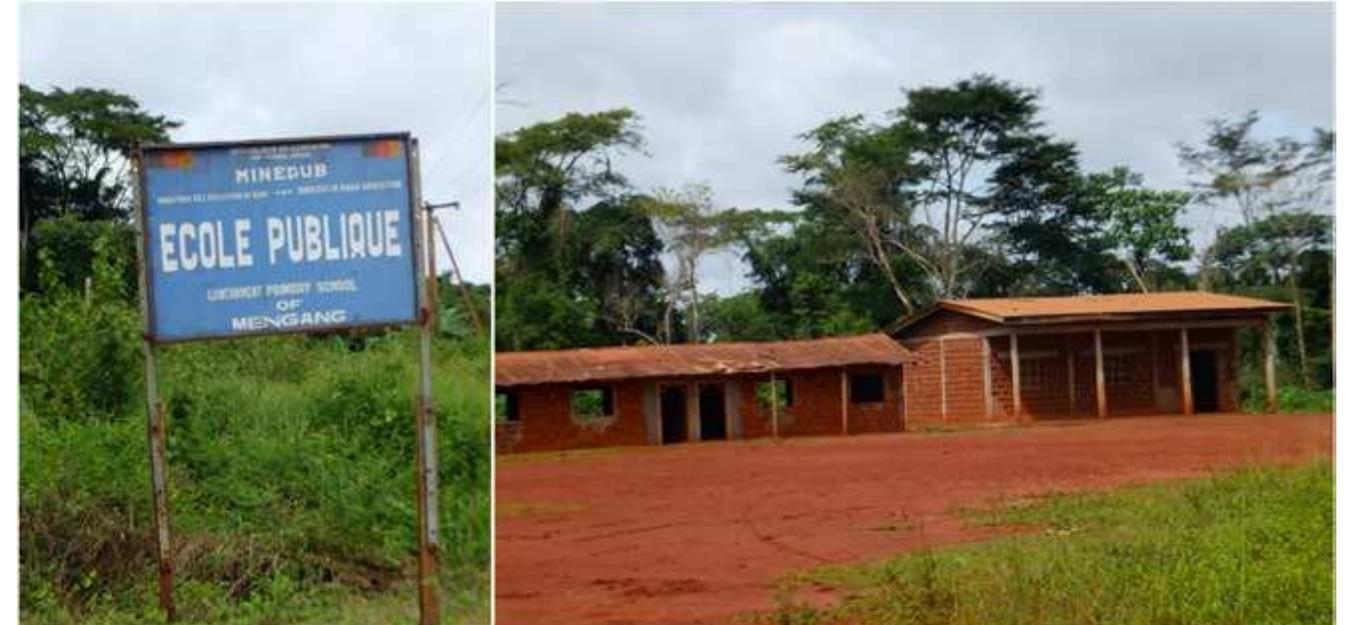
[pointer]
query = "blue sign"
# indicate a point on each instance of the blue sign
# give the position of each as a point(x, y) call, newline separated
point(292, 236)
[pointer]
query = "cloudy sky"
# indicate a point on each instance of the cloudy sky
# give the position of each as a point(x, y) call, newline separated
point(256, 71)
point(723, 90)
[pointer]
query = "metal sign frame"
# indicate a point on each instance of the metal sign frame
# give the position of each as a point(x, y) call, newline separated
point(422, 264)
point(147, 285)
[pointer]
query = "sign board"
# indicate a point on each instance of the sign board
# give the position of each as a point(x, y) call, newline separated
point(263, 237)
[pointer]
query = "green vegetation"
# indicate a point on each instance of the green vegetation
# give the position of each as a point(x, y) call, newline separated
point(1251, 547)
point(1295, 399)
point(290, 458)
point(958, 190)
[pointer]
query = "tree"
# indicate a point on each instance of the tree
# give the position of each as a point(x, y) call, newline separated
point(961, 132)
point(1046, 223)
point(547, 168)
point(957, 169)
point(617, 258)
point(858, 171)
point(692, 226)
point(74, 149)
point(1275, 246)
point(577, 261)
point(1254, 177)
point(1142, 225)
point(1279, 187)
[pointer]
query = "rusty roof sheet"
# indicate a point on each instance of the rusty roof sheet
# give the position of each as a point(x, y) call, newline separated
point(1020, 308)
point(651, 361)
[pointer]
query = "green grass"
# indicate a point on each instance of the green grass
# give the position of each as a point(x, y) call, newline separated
point(1253, 547)
point(290, 467)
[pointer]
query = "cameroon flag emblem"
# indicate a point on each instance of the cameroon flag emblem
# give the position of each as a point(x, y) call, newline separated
point(383, 148)
point(172, 159)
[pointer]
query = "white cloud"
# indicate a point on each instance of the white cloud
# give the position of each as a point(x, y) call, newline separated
point(258, 70)
point(723, 89)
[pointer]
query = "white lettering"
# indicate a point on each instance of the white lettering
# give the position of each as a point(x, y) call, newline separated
point(187, 231)
point(166, 259)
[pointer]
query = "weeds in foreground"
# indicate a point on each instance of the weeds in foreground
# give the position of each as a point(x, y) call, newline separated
point(1254, 546)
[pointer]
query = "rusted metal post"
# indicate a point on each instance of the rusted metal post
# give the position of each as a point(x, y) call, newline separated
point(1101, 374)
point(1272, 397)
point(1016, 375)
point(773, 387)
point(1184, 361)
point(159, 474)
point(428, 509)
point(159, 484)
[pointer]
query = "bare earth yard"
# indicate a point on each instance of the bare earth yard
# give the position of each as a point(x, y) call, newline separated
point(699, 533)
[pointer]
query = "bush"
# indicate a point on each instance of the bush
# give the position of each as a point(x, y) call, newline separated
point(290, 467)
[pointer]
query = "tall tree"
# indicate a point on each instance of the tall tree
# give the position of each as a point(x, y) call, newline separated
point(962, 132)
point(857, 172)
point(1234, 169)
point(547, 168)
point(74, 149)
point(1275, 246)
point(957, 169)
point(691, 227)
point(616, 256)
point(1280, 187)
point(1142, 225)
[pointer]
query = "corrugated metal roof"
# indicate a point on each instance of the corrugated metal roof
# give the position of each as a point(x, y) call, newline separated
point(651, 361)
point(1013, 308)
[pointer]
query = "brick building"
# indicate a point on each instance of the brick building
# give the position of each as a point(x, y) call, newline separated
point(961, 361)
point(657, 395)
point(1074, 357)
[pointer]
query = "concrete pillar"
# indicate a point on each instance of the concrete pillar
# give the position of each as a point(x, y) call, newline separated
point(843, 399)
point(1187, 396)
point(1073, 393)
point(988, 381)
point(1272, 397)
point(1016, 376)
point(694, 425)
point(1235, 371)
point(1153, 357)
point(942, 373)
point(773, 394)
point(1101, 374)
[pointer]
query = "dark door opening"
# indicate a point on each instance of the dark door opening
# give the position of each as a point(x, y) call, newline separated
point(1205, 380)
point(674, 422)
point(712, 412)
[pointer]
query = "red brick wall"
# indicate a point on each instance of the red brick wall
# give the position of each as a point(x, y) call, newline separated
point(959, 362)
point(1128, 357)
point(817, 406)
point(546, 423)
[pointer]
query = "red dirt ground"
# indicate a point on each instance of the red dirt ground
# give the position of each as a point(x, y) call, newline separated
point(700, 533)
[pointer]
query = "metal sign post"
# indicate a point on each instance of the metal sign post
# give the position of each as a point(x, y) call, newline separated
point(428, 535)
point(159, 474)
point(294, 236)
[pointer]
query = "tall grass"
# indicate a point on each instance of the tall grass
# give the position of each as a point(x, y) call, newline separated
point(1247, 548)
point(290, 462)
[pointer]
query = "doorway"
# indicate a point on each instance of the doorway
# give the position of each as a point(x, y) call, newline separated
point(1205, 380)
point(674, 424)
point(712, 412)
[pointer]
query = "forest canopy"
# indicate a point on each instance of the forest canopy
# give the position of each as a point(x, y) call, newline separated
point(960, 190)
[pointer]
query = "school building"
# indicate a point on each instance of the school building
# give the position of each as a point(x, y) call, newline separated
point(960, 362)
